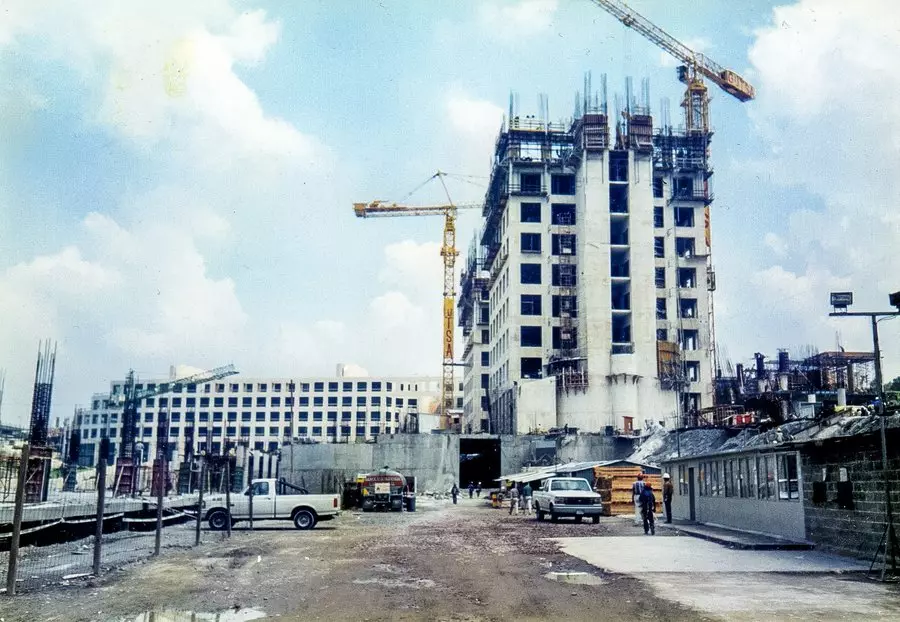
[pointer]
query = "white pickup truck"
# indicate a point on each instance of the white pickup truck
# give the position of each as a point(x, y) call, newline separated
point(272, 500)
point(567, 496)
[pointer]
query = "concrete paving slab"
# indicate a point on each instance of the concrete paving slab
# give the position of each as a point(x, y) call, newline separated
point(735, 538)
point(640, 554)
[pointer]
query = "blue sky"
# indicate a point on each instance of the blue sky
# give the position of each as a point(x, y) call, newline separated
point(176, 178)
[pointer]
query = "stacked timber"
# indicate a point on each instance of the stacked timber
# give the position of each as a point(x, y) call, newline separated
point(620, 480)
point(604, 489)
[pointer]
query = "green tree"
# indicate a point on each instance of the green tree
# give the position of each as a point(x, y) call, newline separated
point(893, 385)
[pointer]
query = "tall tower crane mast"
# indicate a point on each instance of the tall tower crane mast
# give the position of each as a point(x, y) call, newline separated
point(449, 253)
point(696, 66)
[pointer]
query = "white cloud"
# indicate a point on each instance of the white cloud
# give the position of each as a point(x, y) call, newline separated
point(776, 244)
point(826, 105)
point(473, 128)
point(516, 21)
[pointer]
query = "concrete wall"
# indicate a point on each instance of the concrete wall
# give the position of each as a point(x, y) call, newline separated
point(856, 532)
point(434, 458)
point(536, 401)
point(784, 518)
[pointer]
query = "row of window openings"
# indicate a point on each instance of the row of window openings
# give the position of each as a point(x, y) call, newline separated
point(245, 431)
point(688, 339)
point(684, 247)
point(684, 217)
point(533, 183)
point(561, 244)
point(346, 400)
point(772, 478)
point(687, 278)
point(562, 275)
point(562, 306)
point(317, 387)
point(560, 213)
point(687, 308)
point(175, 417)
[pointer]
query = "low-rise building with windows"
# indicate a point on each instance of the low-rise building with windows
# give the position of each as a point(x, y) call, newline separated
point(261, 413)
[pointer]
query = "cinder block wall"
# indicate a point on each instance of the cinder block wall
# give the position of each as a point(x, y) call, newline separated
point(855, 532)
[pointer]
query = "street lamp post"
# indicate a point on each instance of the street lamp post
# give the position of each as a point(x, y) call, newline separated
point(840, 301)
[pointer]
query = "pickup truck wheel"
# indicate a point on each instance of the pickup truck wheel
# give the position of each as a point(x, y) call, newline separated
point(553, 517)
point(540, 513)
point(218, 520)
point(595, 519)
point(304, 519)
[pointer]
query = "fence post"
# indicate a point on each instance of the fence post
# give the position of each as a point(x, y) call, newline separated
point(101, 503)
point(160, 488)
point(200, 500)
point(228, 491)
point(17, 522)
point(250, 502)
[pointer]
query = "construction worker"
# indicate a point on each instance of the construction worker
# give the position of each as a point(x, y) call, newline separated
point(454, 492)
point(648, 509)
point(471, 489)
point(526, 495)
point(636, 489)
point(513, 500)
point(478, 490)
point(667, 492)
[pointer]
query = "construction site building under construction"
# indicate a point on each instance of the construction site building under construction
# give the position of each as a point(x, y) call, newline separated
point(586, 299)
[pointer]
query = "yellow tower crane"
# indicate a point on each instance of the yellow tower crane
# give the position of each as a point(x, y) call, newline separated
point(696, 66)
point(449, 253)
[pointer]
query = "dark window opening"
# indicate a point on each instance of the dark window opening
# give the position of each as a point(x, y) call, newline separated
point(618, 166)
point(530, 273)
point(618, 232)
point(657, 187)
point(660, 278)
point(530, 212)
point(563, 244)
point(684, 247)
point(562, 214)
point(564, 338)
point(531, 304)
point(531, 242)
point(658, 220)
point(687, 277)
point(530, 183)
point(563, 275)
point(618, 199)
point(532, 367)
point(562, 184)
point(688, 307)
point(661, 313)
point(684, 216)
point(530, 336)
point(565, 306)
point(620, 296)
point(619, 264)
point(659, 247)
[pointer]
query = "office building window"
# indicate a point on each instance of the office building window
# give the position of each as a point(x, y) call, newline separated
point(658, 220)
point(660, 278)
point(530, 212)
point(530, 274)
point(530, 336)
point(659, 246)
point(562, 214)
point(684, 247)
point(531, 367)
point(562, 184)
point(530, 304)
point(531, 243)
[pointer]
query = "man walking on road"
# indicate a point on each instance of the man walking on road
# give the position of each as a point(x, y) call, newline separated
point(636, 489)
point(471, 489)
point(454, 492)
point(527, 494)
point(513, 500)
point(668, 491)
point(648, 509)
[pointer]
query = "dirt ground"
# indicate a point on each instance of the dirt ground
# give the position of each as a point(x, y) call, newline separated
point(444, 562)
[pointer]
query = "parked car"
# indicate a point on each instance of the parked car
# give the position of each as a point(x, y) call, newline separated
point(567, 496)
point(272, 500)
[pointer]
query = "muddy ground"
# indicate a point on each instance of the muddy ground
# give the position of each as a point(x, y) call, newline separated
point(466, 563)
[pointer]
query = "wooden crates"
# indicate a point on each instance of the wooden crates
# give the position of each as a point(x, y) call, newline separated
point(614, 486)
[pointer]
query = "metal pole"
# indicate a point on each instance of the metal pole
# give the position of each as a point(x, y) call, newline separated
point(200, 501)
point(250, 500)
point(101, 502)
point(160, 488)
point(228, 492)
point(17, 522)
point(891, 540)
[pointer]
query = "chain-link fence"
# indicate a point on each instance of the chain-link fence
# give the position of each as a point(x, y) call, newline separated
point(55, 528)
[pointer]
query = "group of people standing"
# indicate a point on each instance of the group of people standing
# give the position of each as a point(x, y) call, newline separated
point(473, 490)
point(645, 502)
point(520, 498)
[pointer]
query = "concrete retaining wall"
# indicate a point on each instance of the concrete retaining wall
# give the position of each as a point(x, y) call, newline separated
point(433, 458)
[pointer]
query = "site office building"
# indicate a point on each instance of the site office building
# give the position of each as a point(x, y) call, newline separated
point(591, 284)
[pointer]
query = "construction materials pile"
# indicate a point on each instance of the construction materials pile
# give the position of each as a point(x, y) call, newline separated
point(614, 485)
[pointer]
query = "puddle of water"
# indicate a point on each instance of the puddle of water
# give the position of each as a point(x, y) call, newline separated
point(578, 578)
point(415, 584)
point(229, 615)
